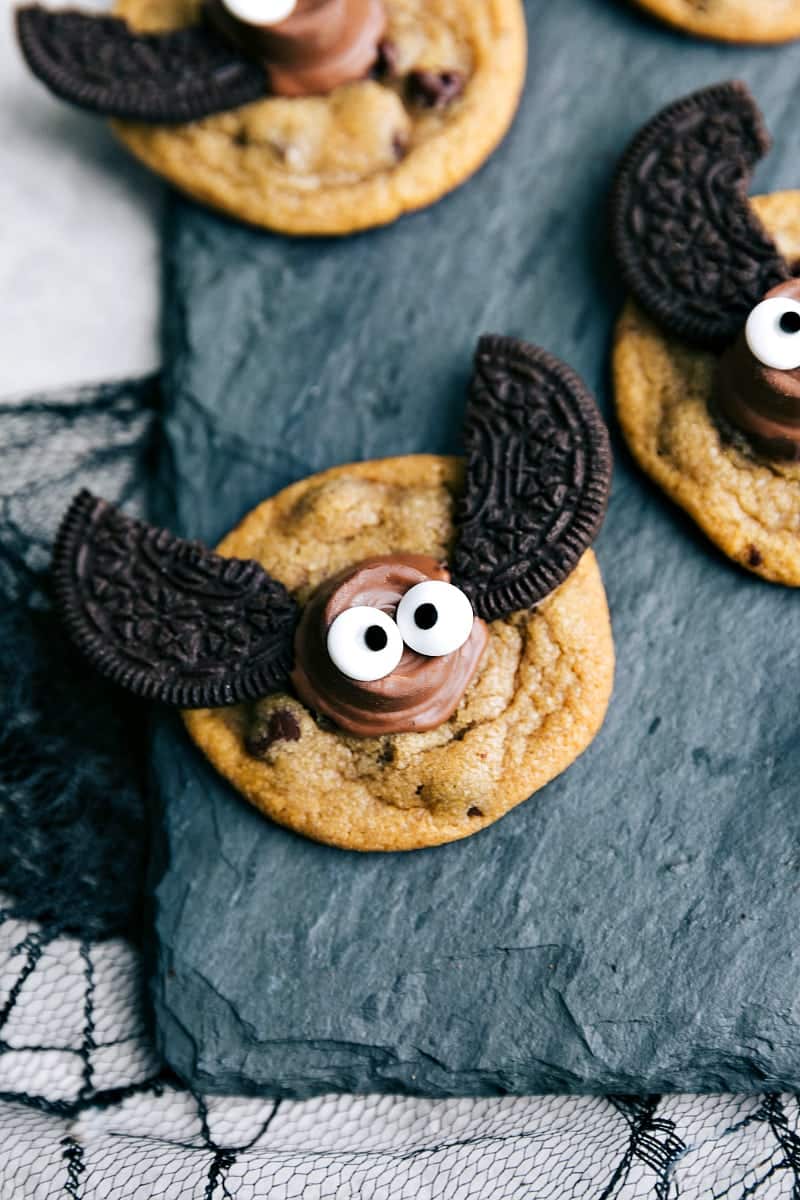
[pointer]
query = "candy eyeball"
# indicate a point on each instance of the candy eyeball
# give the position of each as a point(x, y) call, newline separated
point(772, 333)
point(364, 643)
point(434, 618)
point(260, 12)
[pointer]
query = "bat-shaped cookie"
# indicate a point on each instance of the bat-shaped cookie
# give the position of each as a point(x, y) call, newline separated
point(240, 51)
point(696, 258)
point(401, 634)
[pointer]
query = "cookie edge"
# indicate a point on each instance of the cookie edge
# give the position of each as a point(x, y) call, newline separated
point(779, 32)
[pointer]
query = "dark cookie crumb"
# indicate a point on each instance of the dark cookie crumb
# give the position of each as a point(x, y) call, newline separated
point(434, 89)
point(754, 556)
point(400, 146)
point(386, 62)
point(282, 726)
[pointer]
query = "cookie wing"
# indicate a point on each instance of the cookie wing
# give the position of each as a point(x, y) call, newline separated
point(166, 618)
point(538, 474)
point(689, 246)
point(98, 63)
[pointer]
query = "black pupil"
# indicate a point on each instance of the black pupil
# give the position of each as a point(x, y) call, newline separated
point(376, 638)
point(426, 616)
point(790, 321)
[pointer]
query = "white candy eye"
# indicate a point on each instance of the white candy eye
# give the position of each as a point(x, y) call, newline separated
point(434, 618)
point(773, 333)
point(261, 12)
point(364, 643)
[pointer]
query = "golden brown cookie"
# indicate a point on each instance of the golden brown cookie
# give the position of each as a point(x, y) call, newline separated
point(745, 21)
point(367, 152)
point(537, 701)
point(748, 505)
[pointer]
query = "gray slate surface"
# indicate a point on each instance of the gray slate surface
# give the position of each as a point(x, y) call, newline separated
point(633, 927)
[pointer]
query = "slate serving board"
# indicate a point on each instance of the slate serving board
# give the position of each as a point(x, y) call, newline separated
point(631, 928)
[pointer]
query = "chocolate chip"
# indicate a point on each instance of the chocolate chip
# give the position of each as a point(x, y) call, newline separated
point(98, 63)
point(387, 754)
point(689, 246)
point(474, 811)
point(754, 556)
point(434, 89)
point(282, 726)
point(400, 145)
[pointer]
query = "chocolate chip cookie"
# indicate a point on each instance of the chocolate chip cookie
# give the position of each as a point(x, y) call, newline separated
point(535, 703)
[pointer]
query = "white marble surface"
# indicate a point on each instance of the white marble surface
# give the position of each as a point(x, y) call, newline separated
point(79, 240)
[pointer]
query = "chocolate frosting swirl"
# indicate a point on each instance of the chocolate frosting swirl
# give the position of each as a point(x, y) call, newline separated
point(421, 693)
point(761, 402)
point(321, 44)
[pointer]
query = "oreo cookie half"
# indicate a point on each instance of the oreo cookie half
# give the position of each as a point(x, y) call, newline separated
point(690, 248)
point(537, 479)
point(98, 63)
point(166, 618)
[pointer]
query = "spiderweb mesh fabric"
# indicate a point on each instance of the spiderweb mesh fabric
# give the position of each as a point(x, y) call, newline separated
point(86, 1110)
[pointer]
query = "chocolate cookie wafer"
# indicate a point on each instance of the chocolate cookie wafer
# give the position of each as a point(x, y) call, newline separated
point(526, 518)
point(164, 617)
point(98, 63)
point(689, 246)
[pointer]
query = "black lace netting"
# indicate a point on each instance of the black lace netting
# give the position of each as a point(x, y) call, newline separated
point(71, 747)
point(86, 1110)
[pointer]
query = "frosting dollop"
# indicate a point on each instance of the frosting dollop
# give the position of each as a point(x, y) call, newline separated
point(762, 402)
point(321, 44)
point(420, 693)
